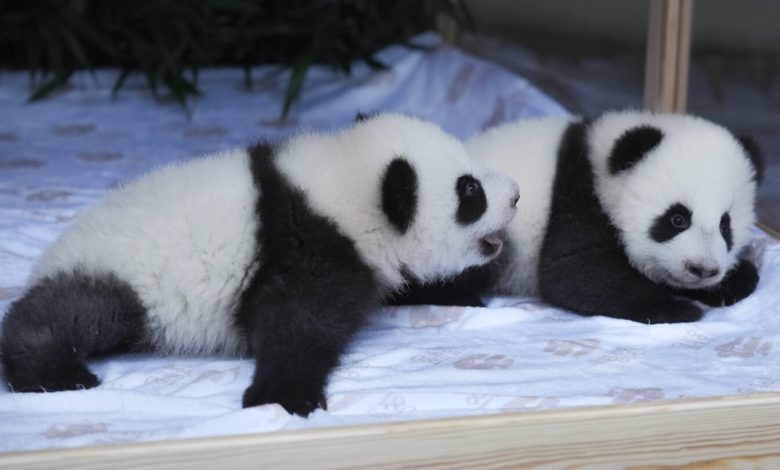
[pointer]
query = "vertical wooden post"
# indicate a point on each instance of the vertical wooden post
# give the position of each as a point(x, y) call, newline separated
point(447, 27)
point(668, 55)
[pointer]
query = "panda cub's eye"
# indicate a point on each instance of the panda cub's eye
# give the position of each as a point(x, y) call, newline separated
point(471, 188)
point(672, 222)
point(679, 220)
point(472, 202)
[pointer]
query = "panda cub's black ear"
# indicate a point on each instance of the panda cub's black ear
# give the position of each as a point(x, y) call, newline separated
point(632, 146)
point(754, 154)
point(361, 116)
point(399, 194)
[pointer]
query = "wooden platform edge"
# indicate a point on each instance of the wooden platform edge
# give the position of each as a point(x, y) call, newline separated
point(727, 432)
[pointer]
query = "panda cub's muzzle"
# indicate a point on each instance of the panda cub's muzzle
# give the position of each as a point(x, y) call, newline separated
point(490, 245)
point(474, 207)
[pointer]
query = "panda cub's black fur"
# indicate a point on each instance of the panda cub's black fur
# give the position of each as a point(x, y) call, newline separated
point(614, 234)
point(279, 252)
point(583, 265)
point(298, 337)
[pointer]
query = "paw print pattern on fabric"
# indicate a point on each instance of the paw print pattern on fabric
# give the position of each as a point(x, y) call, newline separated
point(744, 349)
point(633, 395)
point(485, 361)
point(536, 403)
point(559, 347)
point(217, 376)
point(64, 431)
point(421, 317)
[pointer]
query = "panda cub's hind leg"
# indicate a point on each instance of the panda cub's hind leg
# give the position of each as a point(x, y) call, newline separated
point(63, 320)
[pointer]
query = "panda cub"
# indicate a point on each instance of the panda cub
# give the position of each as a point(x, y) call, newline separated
point(631, 215)
point(278, 251)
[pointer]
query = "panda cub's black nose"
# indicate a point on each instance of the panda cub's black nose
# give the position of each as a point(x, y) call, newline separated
point(515, 198)
point(702, 272)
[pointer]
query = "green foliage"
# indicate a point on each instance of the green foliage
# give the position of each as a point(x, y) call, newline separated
point(168, 41)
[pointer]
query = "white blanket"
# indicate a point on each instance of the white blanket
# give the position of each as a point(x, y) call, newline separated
point(61, 155)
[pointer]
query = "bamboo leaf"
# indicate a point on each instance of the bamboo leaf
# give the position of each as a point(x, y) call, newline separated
point(45, 88)
point(120, 81)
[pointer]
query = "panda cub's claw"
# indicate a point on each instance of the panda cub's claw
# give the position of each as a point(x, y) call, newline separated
point(294, 399)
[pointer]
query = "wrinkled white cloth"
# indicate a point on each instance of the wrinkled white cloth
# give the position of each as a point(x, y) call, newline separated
point(60, 155)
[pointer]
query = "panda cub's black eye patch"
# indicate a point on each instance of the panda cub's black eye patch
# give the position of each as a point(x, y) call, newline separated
point(399, 194)
point(472, 202)
point(725, 230)
point(675, 220)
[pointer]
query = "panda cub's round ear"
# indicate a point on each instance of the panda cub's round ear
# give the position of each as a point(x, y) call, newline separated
point(399, 194)
point(754, 154)
point(361, 116)
point(632, 146)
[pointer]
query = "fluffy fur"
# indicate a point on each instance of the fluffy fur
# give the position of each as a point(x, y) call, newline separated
point(623, 216)
point(276, 251)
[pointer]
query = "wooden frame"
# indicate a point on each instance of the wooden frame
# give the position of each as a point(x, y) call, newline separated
point(668, 55)
point(733, 432)
point(726, 432)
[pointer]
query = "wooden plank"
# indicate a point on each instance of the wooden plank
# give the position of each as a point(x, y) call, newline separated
point(729, 432)
point(668, 54)
point(447, 28)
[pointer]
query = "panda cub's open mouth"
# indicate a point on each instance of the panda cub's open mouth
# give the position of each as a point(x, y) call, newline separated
point(490, 245)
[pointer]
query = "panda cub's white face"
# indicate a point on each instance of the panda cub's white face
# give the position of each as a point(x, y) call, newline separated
point(680, 191)
point(444, 208)
point(461, 207)
point(427, 208)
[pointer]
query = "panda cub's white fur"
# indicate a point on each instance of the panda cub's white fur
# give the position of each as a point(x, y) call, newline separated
point(631, 215)
point(183, 237)
point(278, 251)
point(526, 150)
point(697, 163)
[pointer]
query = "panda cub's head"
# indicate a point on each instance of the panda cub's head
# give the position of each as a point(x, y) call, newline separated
point(680, 191)
point(441, 210)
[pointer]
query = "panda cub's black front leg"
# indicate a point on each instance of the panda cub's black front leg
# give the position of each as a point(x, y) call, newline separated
point(297, 346)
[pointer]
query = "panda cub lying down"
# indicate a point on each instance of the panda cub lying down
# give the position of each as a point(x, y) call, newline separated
point(275, 251)
point(631, 215)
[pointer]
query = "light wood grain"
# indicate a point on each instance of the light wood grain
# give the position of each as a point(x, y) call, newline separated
point(734, 432)
point(447, 28)
point(668, 54)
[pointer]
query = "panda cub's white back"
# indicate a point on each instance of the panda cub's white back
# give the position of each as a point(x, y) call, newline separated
point(527, 151)
point(183, 237)
point(279, 251)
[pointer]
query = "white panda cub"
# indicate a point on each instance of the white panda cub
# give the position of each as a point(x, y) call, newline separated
point(631, 215)
point(278, 251)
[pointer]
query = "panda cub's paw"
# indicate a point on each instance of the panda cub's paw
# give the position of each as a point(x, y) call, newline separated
point(740, 283)
point(673, 311)
point(299, 399)
point(59, 379)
